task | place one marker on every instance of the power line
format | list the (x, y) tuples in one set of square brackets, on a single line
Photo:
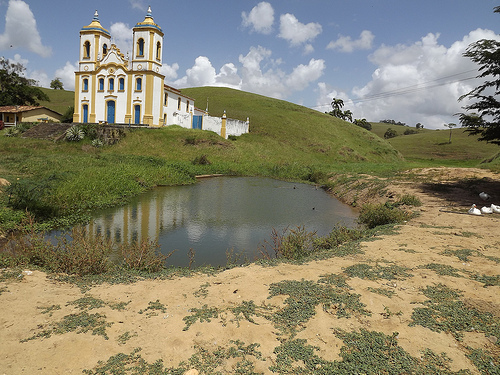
[(410, 89)]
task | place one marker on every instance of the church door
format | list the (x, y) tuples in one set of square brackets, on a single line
[(85, 113), (111, 112), (137, 114)]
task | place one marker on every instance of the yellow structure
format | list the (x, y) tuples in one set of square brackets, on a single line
[(113, 88), (11, 115)]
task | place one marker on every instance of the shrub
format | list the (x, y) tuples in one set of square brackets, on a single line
[(291, 244), (143, 256), (409, 200), (97, 143), (32, 196), (410, 131), (201, 160), (20, 128), (75, 253), (390, 133), (74, 134), (336, 237), (373, 215)]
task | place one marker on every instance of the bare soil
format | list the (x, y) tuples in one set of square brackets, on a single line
[(442, 225)]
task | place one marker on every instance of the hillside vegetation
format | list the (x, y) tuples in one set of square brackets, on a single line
[(286, 141), (60, 100), (432, 146)]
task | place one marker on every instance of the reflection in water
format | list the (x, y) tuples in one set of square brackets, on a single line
[(221, 214)]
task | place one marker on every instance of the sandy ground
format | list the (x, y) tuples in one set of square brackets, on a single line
[(442, 225)]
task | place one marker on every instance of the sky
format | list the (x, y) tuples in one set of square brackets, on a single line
[(386, 59)]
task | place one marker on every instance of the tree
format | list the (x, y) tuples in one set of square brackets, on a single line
[(56, 84), (390, 133), (450, 125), (16, 89), (347, 115), (363, 123), (337, 105), (485, 118), (68, 115), (419, 125)]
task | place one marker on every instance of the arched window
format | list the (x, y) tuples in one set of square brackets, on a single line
[(165, 103), (104, 49), (158, 51), (85, 84), (187, 106), (111, 84), (101, 84), (86, 50), (179, 101), (138, 84), (121, 84), (140, 47)]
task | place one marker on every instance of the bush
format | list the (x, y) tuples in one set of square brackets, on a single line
[(338, 236), (143, 256), (32, 196), (20, 128), (75, 253), (291, 244), (201, 160), (97, 143), (74, 134), (409, 200), (410, 131), (390, 133), (374, 215)]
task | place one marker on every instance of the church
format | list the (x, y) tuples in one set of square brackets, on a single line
[(117, 89)]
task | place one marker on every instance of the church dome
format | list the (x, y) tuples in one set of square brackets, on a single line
[(95, 25)]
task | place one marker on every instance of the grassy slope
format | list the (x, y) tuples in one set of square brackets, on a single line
[(60, 100), (294, 130), (432, 145), (287, 141)]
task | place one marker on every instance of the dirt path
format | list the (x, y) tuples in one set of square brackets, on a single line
[(442, 239)]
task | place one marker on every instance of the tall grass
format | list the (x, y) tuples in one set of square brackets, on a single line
[(80, 253)]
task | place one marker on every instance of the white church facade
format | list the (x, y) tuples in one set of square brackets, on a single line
[(117, 89)]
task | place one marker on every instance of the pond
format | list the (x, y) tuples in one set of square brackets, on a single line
[(220, 216)]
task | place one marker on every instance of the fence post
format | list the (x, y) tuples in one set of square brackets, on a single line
[(223, 127)]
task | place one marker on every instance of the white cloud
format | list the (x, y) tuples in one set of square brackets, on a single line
[(302, 75), (21, 30), (346, 44), (41, 78), (297, 33), (169, 71), (257, 72), (420, 82), (122, 36), (260, 19), (138, 4), (67, 75)]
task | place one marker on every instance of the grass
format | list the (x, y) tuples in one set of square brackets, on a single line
[(445, 312), (305, 295), (61, 183), (433, 144), (364, 352)]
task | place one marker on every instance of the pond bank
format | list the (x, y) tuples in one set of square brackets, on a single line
[(172, 320)]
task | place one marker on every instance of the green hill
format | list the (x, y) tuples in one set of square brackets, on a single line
[(433, 145), (282, 132), (285, 132), (60, 100)]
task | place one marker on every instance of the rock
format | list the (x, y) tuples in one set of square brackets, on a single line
[(193, 371)]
